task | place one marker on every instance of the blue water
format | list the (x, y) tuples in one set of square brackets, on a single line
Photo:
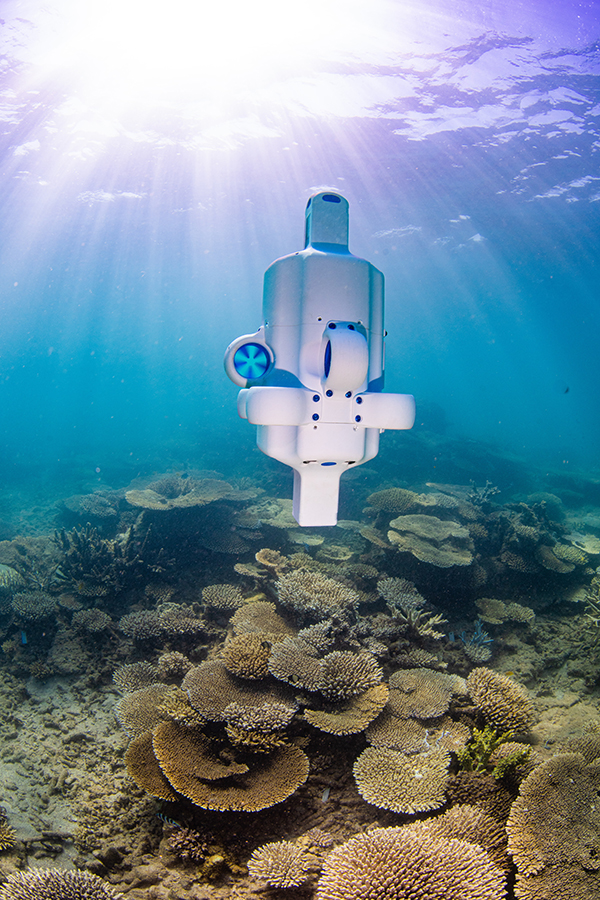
[(133, 242)]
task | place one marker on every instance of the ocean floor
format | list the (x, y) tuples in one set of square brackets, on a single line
[(114, 622)]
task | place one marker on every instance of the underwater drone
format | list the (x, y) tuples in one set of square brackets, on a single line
[(312, 375)]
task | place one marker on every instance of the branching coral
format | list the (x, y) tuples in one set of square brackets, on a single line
[(476, 755), (56, 884), (93, 565), (398, 864), (281, 864), (554, 830), (503, 703)]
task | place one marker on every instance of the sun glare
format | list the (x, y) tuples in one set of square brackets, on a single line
[(127, 51)]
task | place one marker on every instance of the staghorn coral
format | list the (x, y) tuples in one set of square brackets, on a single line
[(56, 884), (156, 592), (281, 864), (170, 620), (317, 839), (397, 864), (34, 606), (399, 592), (143, 768), (211, 688), (95, 566), (133, 676), (189, 845), (247, 655), (555, 821), (320, 637), (222, 596), (313, 596), (477, 653), (393, 500), (176, 619), (407, 784), (138, 711), (406, 606), (477, 754), (503, 703), (422, 693)]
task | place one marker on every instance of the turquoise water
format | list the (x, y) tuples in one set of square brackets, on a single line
[(134, 237)]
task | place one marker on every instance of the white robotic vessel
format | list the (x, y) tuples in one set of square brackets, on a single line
[(312, 375)]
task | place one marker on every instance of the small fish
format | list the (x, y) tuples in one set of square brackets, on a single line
[(23, 638)]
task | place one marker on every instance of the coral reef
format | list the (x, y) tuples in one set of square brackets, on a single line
[(503, 703), (247, 655), (403, 784), (33, 606), (350, 716), (138, 711), (56, 884), (10, 580), (475, 757), (495, 611), (175, 492), (432, 540), (313, 596), (281, 864), (92, 565), (397, 864), (554, 829), (393, 500), (91, 620), (244, 703), (133, 676), (211, 688), (421, 693), (222, 596)]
